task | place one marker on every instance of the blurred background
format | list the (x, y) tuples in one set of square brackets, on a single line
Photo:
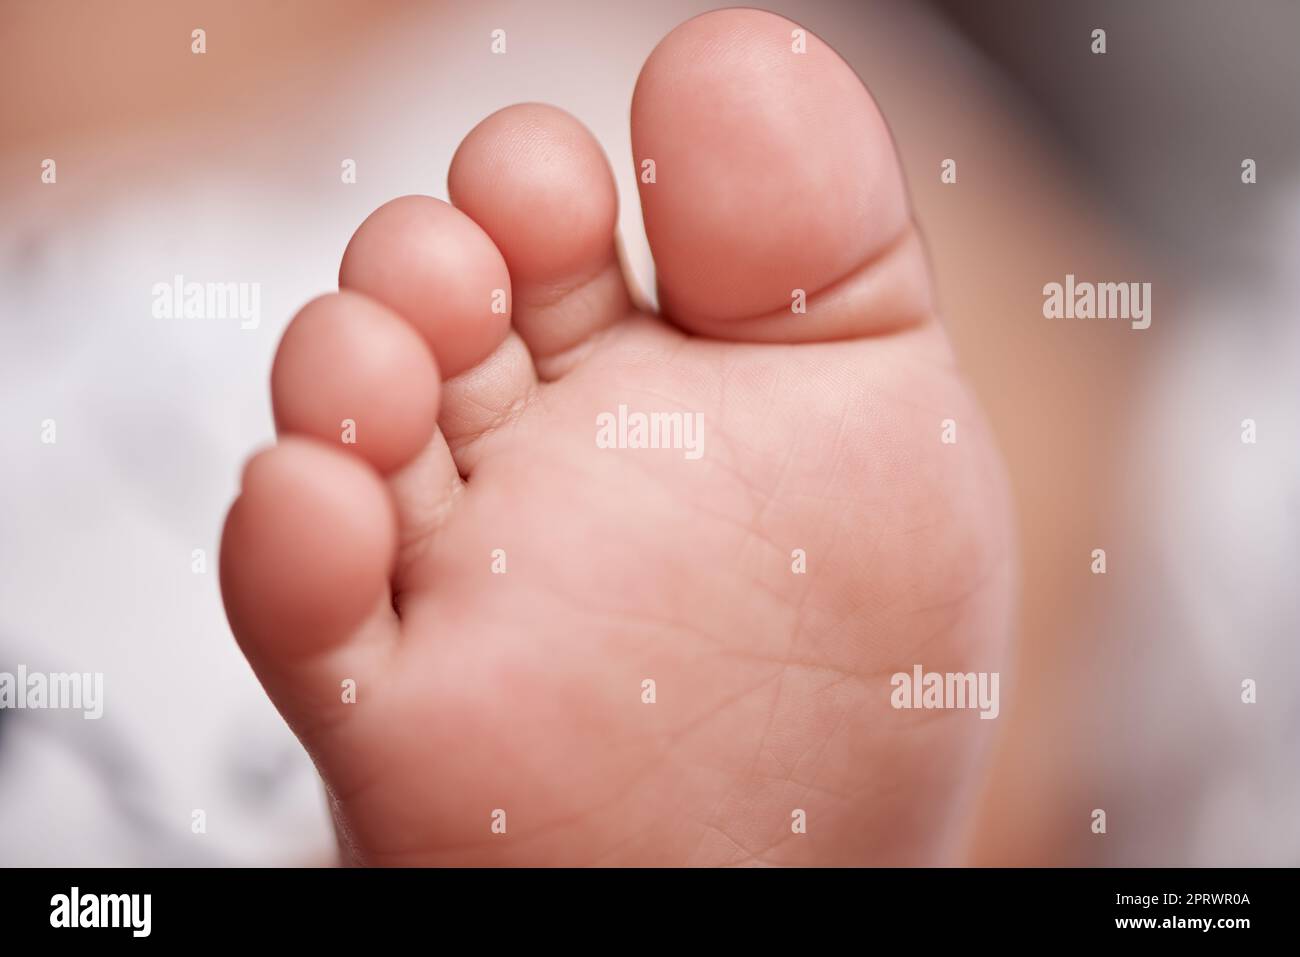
[(225, 167)]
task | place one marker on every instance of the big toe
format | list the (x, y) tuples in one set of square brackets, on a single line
[(771, 191)]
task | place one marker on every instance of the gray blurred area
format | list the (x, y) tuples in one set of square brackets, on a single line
[(1185, 91), (1156, 131)]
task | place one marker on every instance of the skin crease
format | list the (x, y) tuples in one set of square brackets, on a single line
[(523, 691)]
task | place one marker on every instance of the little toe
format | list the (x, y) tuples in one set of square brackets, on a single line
[(306, 555)]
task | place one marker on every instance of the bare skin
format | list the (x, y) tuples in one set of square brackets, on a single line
[(376, 561)]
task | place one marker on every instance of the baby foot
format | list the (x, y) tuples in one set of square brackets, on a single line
[(506, 630)]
